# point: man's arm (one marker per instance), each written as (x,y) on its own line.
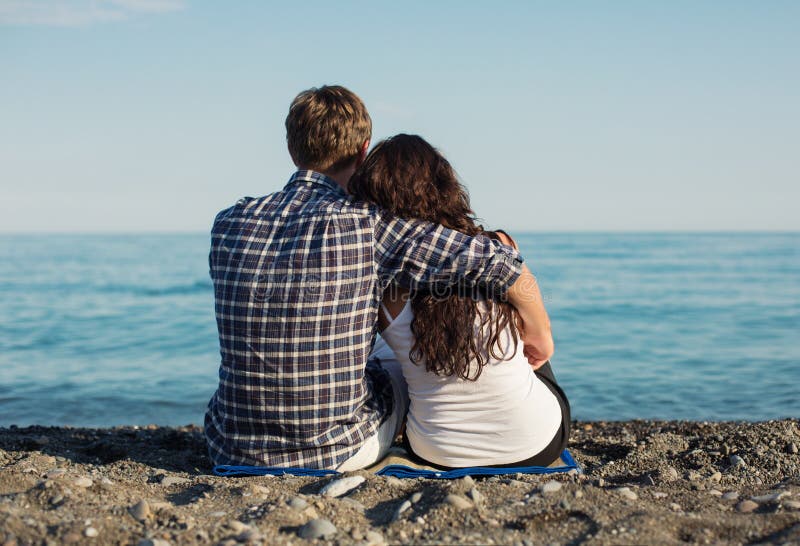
(426,256)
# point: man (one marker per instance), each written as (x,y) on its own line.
(298,276)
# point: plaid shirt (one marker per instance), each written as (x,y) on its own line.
(298,277)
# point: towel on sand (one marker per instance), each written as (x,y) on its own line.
(397,464)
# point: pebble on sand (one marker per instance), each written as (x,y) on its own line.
(551,487)
(168,481)
(153,542)
(736,460)
(342,486)
(251,534)
(746,506)
(770,497)
(457,501)
(668,474)
(83,482)
(405,505)
(317,528)
(91,532)
(140,511)
(374,538)
(730,495)
(626,493)
(297,503)
(475,495)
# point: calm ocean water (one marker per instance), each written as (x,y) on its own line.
(109,330)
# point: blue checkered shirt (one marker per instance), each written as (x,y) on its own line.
(298,278)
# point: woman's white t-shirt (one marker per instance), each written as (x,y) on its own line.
(507,415)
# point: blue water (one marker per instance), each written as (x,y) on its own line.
(110,330)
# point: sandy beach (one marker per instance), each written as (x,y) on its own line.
(645,482)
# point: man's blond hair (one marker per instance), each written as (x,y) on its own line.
(326,128)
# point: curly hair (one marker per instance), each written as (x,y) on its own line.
(409,178)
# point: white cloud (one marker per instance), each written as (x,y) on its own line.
(73,13)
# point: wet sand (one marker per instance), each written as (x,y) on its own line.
(644,482)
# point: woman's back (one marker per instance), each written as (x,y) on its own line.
(506,415)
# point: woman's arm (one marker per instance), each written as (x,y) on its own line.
(525,296)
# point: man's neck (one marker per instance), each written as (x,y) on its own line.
(341,177)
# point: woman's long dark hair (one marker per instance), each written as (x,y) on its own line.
(409,178)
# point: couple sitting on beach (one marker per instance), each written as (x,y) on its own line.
(362,243)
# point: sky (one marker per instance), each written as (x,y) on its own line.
(152,115)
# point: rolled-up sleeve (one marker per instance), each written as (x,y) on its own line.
(425,256)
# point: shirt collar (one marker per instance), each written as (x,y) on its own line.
(316,178)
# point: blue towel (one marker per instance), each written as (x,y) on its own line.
(402,471)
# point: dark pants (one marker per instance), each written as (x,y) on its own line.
(553,450)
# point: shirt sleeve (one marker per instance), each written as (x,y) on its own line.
(425,256)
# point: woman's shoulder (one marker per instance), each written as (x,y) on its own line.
(503,237)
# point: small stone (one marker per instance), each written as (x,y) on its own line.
(668,474)
(736,460)
(626,493)
(249,535)
(392,481)
(578,494)
(693,476)
(317,528)
(746,506)
(715,493)
(237,526)
(342,486)
(475,495)
(153,542)
(792,448)
(770,497)
(730,495)
(374,538)
(416,497)
(467,482)
(140,511)
(72,538)
(659,495)
(356,534)
(353,503)
(297,503)
(551,487)
(715,477)
(675,507)
(83,482)
(55,473)
(791,504)
(56,500)
(565,504)
(91,532)
(457,501)
(168,481)
(217,514)
(405,505)
(601,482)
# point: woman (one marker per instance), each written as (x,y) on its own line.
(475,400)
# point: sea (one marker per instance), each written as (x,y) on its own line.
(106,330)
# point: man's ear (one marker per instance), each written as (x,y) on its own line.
(362,153)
